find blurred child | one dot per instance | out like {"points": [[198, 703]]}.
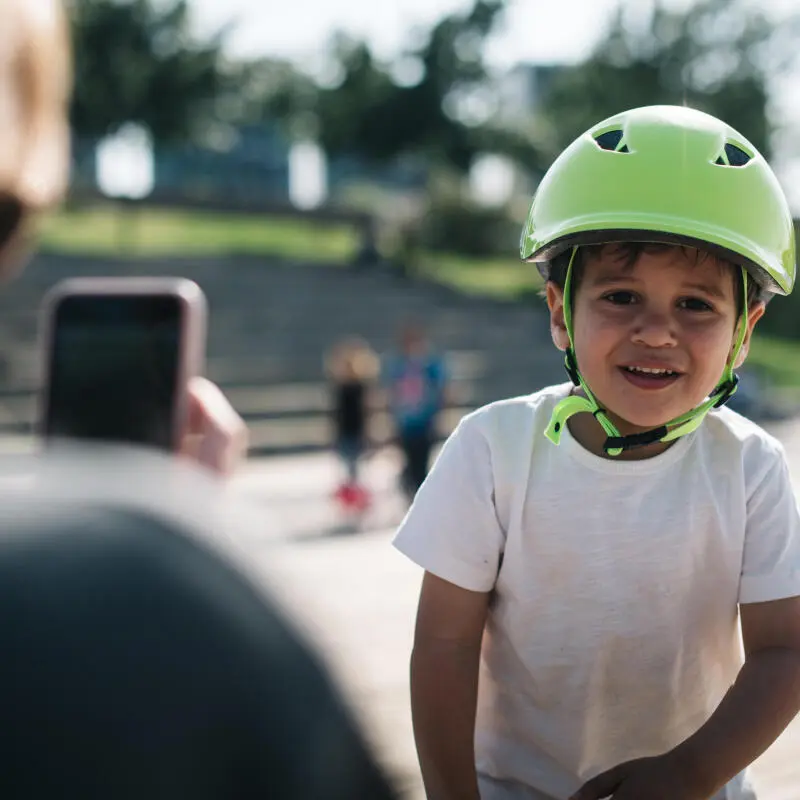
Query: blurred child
{"points": [[415, 377], [352, 369]]}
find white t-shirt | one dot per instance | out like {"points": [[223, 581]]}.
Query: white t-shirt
{"points": [[613, 633]]}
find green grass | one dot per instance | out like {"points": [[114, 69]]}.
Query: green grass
{"points": [[495, 276], [151, 232], [778, 359]]}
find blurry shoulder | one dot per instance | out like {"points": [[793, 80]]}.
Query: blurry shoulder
{"points": [[170, 491]]}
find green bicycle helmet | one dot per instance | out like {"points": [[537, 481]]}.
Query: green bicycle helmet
{"points": [[662, 174]]}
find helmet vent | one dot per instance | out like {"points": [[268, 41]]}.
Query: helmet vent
{"points": [[733, 156], [610, 140]]}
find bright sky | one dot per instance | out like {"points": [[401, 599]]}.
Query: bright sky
{"points": [[542, 31], [534, 30]]}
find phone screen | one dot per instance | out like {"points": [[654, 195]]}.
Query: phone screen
{"points": [[114, 369]]}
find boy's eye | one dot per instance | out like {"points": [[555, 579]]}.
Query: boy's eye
{"points": [[694, 304], [620, 298]]}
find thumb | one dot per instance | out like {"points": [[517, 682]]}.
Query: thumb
{"points": [[215, 434], [601, 786]]}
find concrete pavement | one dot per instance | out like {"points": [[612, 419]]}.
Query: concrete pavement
{"points": [[354, 595]]}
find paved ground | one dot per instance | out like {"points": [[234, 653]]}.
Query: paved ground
{"points": [[357, 597]]}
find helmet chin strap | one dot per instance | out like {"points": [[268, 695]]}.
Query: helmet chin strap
{"points": [[615, 444]]}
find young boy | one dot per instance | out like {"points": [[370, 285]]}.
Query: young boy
{"points": [[590, 550]]}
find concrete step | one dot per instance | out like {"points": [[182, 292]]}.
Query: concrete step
{"points": [[277, 436], [251, 401], [269, 437], [226, 277], [317, 328], [512, 363], [305, 313], [300, 403], [271, 324]]}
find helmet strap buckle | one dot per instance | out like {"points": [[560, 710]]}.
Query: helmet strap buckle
{"points": [[727, 390], [634, 440]]}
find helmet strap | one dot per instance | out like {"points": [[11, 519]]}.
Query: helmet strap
{"points": [[615, 444]]}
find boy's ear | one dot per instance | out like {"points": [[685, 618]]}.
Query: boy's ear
{"points": [[754, 314], [558, 327]]}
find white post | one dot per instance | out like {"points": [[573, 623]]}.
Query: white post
{"points": [[308, 175]]}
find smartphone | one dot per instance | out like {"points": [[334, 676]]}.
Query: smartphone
{"points": [[118, 357]]}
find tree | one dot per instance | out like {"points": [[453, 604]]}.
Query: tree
{"points": [[273, 89], [370, 114], [718, 56], [136, 62]]}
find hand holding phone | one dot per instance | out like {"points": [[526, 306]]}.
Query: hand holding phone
{"points": [[215, 435], [119, 355]]}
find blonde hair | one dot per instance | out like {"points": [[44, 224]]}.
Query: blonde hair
{"points": [[35, 86], [352, 359]]}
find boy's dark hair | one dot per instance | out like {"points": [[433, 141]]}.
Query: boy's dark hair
{"points": [[629, 253]]}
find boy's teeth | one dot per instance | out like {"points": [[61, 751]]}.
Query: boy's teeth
{"points": [[649, 371]]}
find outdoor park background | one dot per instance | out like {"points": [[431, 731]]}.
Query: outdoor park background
{"points": [[321, 179], [427, 137]]}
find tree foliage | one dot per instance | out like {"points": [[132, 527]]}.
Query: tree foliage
{"points": [[371, 114], [718, 56], [136, 62]]}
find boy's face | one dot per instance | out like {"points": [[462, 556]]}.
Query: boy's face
{"points": [[674, 311]]}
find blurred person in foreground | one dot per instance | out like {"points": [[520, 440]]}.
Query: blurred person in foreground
{"points": [[140, 656], [611, 598], [415, 380], [352, 369]]}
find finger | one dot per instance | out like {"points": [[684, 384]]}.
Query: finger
{"points": [[208, 407], [215, 435], [601, 786]]}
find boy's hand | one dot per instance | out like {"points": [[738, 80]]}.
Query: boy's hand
{"points": [[656, 778]]}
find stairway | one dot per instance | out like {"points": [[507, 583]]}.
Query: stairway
{"points": [[270, 324]]}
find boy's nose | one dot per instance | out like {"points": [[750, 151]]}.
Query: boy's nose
{"points": [[654, 329]]}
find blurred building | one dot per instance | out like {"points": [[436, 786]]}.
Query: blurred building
{"points": [[247, 163], [252, 164], [520, 92]]}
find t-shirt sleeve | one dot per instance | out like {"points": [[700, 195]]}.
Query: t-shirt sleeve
{"points": [[452, 529], [771, 560]]}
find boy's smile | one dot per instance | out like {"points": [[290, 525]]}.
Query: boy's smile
{"points": [[651, 339]]}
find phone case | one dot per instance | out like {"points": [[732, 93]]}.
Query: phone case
{"points": [[192, 338]]}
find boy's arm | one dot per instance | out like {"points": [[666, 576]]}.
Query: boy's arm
{"points": [[444, 686], [761, 703]]}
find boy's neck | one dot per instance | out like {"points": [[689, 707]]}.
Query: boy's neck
{"points": [[588, 432]]}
